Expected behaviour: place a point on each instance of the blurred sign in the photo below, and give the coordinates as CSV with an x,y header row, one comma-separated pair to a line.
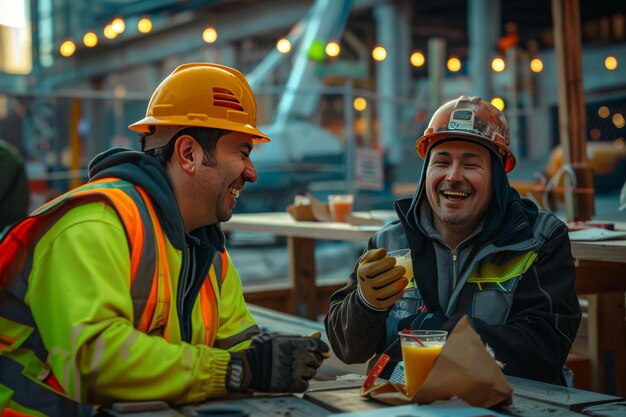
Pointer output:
x,y
369,171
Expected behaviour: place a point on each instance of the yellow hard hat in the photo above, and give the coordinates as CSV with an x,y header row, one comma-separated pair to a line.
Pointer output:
x,y
470,118
203,95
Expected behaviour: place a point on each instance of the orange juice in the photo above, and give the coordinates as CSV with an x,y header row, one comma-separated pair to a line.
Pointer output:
x,y
408,265
340,205
418,361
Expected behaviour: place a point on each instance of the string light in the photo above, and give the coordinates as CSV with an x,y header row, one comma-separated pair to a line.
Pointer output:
x,y
109,33
144,25
610,62
498,64
359,104
118,25
90,39
379,53
417,59
332,49
454,64
536,65
209,35
283,45
604,112
498,103
618,120
67,48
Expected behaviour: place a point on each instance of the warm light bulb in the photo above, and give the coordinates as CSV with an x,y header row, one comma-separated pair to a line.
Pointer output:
x,y
498,103
379,53
209,35
109,33
144,25
283,45
67,48
604,112
610,62
332,49
118,25
90,39
454,64
536,65
417,59
498,64
359,104
618,120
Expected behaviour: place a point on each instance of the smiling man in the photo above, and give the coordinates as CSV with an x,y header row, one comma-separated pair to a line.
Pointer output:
x,y
477,248
122,289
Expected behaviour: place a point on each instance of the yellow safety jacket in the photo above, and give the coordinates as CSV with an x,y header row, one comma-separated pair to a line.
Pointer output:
x,y
90,308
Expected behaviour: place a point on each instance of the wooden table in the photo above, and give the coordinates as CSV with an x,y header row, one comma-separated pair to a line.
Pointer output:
x,y
600,272
601,276
326,398
301,237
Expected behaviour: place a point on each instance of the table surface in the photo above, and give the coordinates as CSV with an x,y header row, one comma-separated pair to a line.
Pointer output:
x,y
327,398
282,224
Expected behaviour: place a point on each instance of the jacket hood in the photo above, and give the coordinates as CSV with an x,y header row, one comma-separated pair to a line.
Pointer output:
x,y
509,220
507,212
146,172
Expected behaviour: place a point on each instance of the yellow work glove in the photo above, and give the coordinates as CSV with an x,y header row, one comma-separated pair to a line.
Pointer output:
x,y
381,282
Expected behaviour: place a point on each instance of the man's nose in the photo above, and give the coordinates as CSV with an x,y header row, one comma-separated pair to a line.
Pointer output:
x,y
249,172
455,173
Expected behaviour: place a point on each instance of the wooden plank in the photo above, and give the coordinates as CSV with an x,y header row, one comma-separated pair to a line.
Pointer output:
x,y
564,397
610,250
302,276
607,342
593,277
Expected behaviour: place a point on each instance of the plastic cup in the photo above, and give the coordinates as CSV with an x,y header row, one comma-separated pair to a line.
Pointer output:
x,y
340,205
403,258
420,348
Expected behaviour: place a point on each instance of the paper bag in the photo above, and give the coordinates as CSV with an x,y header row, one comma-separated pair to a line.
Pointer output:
x,y
464,369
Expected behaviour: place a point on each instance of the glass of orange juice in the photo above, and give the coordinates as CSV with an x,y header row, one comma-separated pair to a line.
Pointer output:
x,y
420,348
403,258
340,205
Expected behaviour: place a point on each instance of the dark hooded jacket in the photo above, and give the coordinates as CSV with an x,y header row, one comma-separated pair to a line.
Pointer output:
x,y
513,278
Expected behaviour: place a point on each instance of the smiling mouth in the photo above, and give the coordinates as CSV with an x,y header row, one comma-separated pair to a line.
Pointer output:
x,y
234,192
455,195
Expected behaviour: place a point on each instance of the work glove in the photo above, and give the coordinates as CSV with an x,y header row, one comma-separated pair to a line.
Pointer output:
x,y
381,282
276,363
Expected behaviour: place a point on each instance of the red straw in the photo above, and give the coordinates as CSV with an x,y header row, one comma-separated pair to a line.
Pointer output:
x,y
416,338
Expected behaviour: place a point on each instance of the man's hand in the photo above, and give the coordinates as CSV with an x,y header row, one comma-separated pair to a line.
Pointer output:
x,y
381,282
277,363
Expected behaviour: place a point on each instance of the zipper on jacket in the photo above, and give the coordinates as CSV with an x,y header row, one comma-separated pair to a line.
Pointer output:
x,y
454,276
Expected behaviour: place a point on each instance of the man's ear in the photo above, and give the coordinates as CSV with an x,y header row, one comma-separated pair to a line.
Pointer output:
x,y
183,152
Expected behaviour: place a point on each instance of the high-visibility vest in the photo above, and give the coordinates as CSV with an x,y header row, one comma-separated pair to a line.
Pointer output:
x,y
21,345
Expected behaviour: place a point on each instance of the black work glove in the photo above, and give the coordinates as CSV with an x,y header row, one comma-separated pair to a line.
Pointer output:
x,y
276,363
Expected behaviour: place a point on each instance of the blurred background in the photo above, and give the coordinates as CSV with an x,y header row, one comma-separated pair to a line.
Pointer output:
x,y
344,89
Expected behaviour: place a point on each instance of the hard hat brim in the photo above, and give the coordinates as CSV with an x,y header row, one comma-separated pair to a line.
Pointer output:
x,y
426,142
143,126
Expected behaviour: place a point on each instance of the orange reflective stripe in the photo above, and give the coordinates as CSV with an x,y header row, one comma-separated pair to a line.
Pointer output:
x,y
7,412
208,305
149,311
129,213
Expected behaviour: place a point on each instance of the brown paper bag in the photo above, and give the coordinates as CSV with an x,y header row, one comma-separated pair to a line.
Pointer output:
x,y
463,369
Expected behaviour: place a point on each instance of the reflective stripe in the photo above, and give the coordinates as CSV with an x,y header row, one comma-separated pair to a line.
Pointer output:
x,y
17,248
148,287
231,341
489,275
34,395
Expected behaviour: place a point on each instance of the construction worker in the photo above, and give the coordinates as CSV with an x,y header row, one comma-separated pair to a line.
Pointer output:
x,y
477,249
122,290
